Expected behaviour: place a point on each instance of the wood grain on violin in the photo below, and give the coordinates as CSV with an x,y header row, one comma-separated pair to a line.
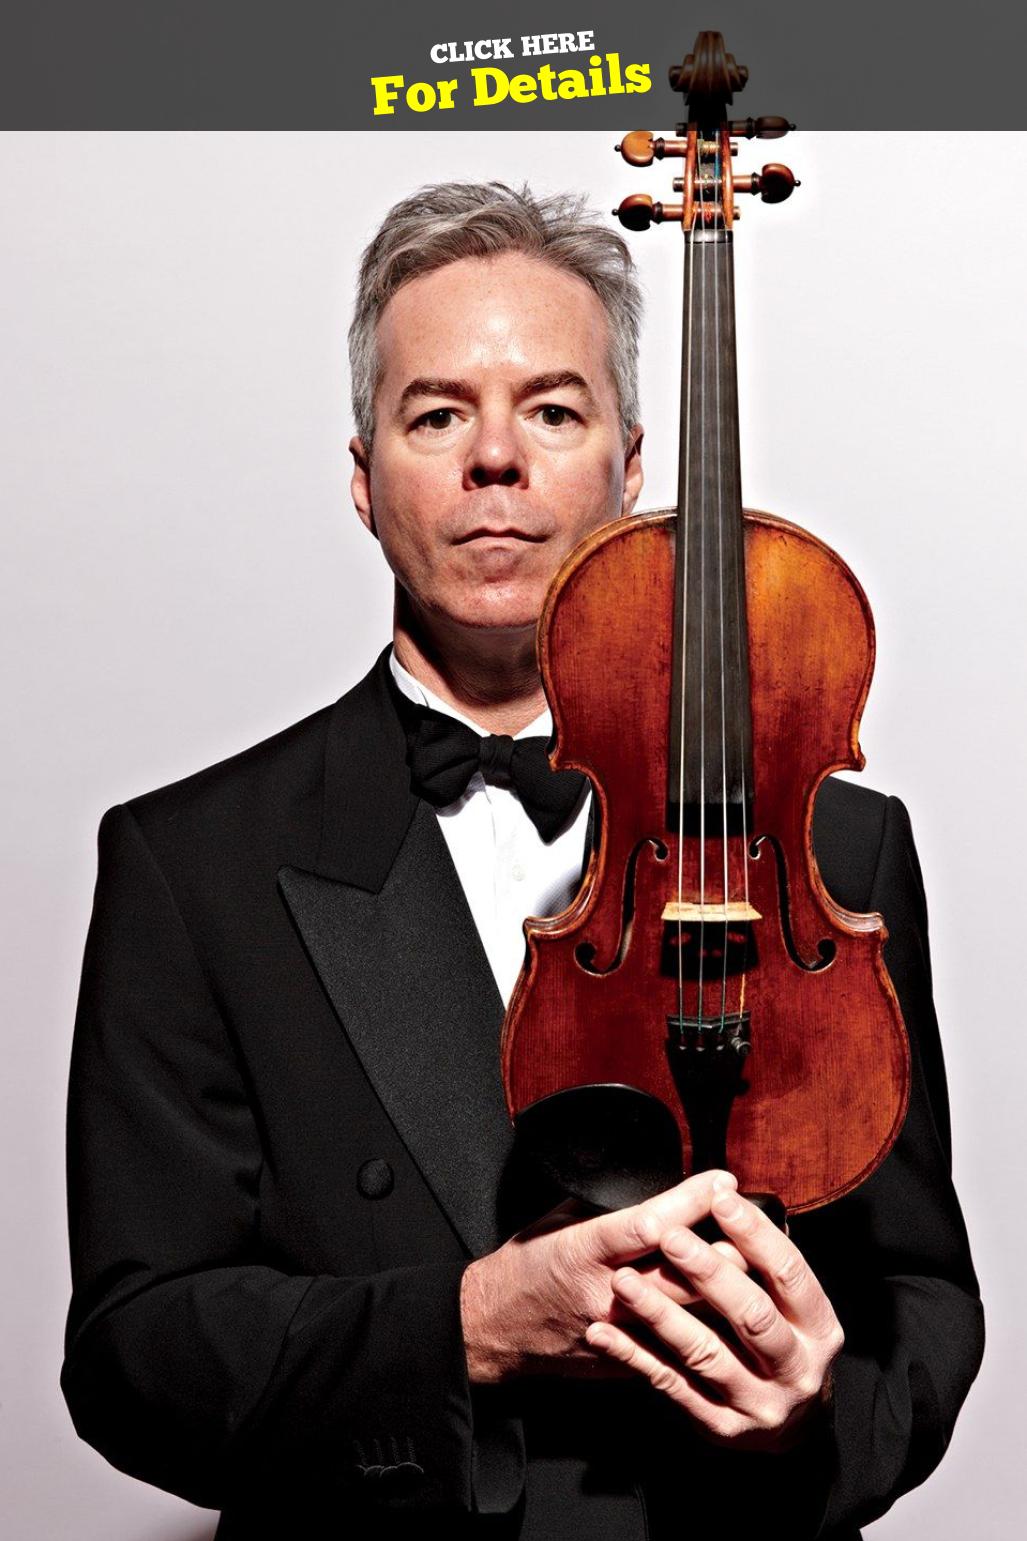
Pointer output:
x,y
825,1082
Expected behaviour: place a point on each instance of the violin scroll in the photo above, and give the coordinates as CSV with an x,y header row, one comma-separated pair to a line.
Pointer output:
x,y
709,74
708,78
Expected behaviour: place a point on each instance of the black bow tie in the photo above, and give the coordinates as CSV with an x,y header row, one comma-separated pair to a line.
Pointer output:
x,y
444,754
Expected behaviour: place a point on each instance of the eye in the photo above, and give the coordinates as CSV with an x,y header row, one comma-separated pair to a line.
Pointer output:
x,y
555,416
438,418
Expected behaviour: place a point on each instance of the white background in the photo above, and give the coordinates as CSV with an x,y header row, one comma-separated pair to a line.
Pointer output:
x,y
185,574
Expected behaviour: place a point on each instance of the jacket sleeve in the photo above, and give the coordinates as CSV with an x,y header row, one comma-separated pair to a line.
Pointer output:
x,y
894,1255
189,1362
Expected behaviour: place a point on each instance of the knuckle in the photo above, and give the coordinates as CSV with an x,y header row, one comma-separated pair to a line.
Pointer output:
x,y
768,1415
643,1228
791,1273
631,1353
835,1340
705,1360
662,1378
806,1386
758,1318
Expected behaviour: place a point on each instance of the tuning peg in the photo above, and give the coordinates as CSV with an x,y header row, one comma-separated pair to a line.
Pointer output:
x,y
639,148
761,128
638,212
774,183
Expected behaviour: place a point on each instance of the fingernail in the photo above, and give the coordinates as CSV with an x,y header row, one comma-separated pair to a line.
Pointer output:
x,y
597,1336
726,1205
681,1243
725,1182
627,1284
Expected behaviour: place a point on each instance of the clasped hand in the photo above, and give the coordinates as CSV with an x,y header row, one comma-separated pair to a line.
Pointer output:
x,y
637,1292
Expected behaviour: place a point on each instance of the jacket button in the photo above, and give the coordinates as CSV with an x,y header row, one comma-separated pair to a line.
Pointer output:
x,y
376,1179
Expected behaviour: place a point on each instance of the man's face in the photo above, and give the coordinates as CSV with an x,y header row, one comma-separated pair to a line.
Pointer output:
x,y
497,441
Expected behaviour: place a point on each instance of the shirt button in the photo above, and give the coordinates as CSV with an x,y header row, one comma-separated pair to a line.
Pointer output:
x,y
517,872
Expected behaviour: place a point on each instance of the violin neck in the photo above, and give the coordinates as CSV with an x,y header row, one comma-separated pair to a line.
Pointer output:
x,y
711,725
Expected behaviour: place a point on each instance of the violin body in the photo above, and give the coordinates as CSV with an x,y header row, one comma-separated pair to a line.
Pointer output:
x,y
821,1091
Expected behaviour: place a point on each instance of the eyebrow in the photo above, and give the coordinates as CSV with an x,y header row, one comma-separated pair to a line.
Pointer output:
x,y
461,390
559,379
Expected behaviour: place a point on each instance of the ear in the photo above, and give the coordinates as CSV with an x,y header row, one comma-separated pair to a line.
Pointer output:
x,y
360,484
633,473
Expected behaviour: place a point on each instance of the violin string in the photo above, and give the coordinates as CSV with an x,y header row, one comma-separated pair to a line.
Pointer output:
x,y
740,621
702,587
717,247
684,622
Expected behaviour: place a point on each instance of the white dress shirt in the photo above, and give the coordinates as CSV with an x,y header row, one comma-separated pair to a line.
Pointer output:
x,y
507,870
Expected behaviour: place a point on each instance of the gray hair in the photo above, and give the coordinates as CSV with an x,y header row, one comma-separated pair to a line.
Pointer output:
x,y
448,221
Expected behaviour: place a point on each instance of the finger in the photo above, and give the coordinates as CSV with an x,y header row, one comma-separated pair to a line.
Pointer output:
x,y
697,1346
626,1234
667,1279
750,1312
788,1278
659,1272
673,1204
626,1350
731,1254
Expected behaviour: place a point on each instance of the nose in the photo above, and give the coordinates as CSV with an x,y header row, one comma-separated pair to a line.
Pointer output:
x,y
496,454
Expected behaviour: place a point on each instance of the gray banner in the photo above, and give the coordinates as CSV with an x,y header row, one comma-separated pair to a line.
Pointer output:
x,y
312,64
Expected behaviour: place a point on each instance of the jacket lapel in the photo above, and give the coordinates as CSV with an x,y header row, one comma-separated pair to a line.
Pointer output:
x,y
386,926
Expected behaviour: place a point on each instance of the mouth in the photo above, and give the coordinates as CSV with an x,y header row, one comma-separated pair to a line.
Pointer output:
x,y
505,534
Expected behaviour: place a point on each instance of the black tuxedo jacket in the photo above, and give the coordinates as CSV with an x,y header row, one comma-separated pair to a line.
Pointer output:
x,y
287,1138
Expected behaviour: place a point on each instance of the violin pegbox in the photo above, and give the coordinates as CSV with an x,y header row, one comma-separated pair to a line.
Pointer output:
x,y
706,142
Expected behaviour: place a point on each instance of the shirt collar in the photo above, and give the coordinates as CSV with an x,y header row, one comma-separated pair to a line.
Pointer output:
x,y
542,727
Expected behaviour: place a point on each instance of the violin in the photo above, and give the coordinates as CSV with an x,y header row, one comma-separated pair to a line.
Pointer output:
x,y
704,1001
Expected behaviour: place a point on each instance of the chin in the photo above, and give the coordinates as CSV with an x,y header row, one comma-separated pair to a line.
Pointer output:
x,y
498,620
506,612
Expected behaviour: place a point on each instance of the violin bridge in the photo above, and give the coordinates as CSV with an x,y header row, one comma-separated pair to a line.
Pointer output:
x,y
734,910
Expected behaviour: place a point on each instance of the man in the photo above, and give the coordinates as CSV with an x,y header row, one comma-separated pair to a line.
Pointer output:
x,y
297,1296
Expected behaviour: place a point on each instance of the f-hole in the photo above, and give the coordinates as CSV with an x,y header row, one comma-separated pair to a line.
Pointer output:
x,y
585,952
826,948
